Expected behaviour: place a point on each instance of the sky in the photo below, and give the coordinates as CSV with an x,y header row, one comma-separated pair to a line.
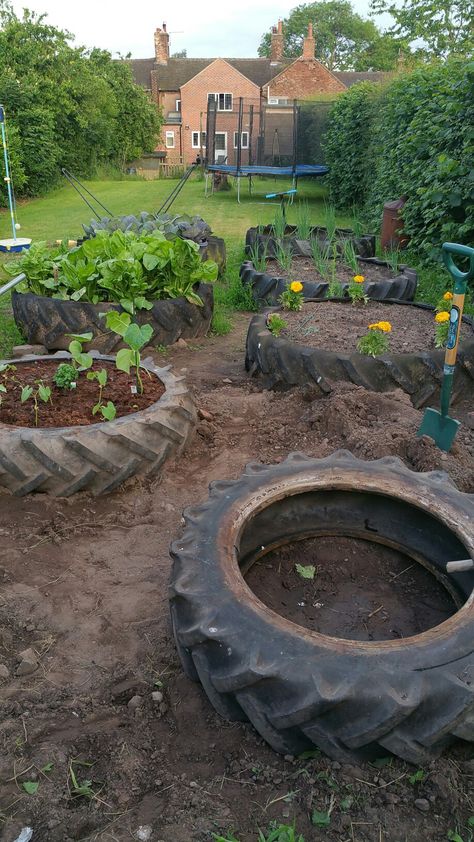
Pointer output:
x,y
205,28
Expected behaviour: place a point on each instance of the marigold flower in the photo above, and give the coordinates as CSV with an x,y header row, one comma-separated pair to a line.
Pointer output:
x,y
296,286
385,327
358,279
442,317
448,296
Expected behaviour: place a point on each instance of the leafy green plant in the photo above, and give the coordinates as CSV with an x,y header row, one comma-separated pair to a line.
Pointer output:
x,y
356,291
80,360
133,335
321,818
275,324
108,410
441,328
303,223
335,290
306,571
280,833
320,256
279,225
3,390
258,254
417,777
41,392
292,298
349,256
177,225
80,789
283,256
375,342
65,376
31,787
392,257
330,221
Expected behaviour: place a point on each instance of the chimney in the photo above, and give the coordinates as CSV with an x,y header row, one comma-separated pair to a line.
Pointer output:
x,y
162,45
309,44
277,43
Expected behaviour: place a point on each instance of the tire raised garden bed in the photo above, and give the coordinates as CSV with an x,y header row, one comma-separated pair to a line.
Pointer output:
x,y
47,321
100,456
268,286
354,699
263,241
282,363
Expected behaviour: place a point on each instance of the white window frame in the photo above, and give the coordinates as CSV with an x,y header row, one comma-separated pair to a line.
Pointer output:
x,y
177,107
222,94
169,136
243,145
202,139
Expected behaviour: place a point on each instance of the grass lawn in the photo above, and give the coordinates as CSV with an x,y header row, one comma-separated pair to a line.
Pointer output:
x,y
61,213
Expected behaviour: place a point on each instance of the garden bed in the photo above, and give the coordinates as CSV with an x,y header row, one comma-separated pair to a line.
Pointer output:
x,y
48,321
381,282
263,240
281,362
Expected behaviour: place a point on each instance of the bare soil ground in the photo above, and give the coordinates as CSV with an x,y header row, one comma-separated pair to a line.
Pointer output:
x,y
84,584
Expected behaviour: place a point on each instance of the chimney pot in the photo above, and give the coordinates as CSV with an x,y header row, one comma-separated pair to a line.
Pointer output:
x,y
277,43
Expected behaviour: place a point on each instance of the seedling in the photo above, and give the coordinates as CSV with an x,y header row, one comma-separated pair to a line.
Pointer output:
x,y
275,324
350,256
42,393
279,225
417,777
281,833
307,572
258,255
302,220
283,257
108,410
392,257
335,290
330,221
135,336
321,818
65,376
81,789
31,787
320,257
80,360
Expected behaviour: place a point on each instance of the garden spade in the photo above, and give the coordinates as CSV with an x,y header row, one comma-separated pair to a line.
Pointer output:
x,y
438,425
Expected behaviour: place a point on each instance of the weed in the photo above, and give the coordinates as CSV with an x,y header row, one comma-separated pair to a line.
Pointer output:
x,y
306,572
275,324
31,787
258,255
281,833
221,324
417,777
392,257
302,220
162,349
357,224
283,256
81,789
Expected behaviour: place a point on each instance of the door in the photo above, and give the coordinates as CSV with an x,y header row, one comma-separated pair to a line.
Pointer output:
x,y
220,149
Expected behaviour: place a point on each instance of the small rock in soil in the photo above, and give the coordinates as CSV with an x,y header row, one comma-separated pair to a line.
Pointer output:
x,y
181,343
28,662
227,380
144,832
135,702
205,415
157,696
422,804
4,672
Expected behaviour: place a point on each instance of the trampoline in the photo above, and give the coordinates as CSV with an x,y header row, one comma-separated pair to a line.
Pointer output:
x,y
257,140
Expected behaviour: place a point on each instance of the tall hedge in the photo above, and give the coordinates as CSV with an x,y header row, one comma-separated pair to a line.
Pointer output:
x,y
415,139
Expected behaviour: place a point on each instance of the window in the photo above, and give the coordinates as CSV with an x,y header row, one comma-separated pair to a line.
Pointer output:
x,y
244,144
178,105
170,140
278,100
224,101
195,140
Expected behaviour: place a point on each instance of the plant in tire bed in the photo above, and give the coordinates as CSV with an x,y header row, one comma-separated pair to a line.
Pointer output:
x,y
356,290
275,324
292,298
135,337
376,341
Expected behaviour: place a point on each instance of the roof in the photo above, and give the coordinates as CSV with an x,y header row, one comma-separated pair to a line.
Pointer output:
x,y
178,71
350,77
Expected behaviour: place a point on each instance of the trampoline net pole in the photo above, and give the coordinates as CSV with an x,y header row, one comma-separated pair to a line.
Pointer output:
x,y
250,134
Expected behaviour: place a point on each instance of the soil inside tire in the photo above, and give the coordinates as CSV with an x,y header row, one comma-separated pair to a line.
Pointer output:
x,y
337,326
73,407
303,269
360,590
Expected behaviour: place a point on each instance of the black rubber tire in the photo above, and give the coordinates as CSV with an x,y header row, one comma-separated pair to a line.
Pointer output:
x,y
353,699
215,250
98,458
266,242
47,321
281,363
267,288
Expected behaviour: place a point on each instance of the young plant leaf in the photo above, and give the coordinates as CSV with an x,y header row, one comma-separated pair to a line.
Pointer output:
x,y
102,377
321,818
80,337
117,322
26,393
307,572
108,411
44,392
3,388
137,336
30,787
48,767
417,777
142,304
124,359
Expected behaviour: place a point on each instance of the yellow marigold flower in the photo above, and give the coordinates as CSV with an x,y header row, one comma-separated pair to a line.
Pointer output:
x,y
385,327
448,296
358,279
442,317
296,286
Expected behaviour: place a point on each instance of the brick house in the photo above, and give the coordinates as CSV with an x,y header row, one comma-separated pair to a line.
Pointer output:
x,y
181,88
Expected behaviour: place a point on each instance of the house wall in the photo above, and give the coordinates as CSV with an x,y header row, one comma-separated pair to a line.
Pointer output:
x,y
218,77
304,78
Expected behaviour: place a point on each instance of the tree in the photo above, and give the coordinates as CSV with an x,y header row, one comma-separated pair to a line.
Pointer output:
x,y
443,26
180,54
344,39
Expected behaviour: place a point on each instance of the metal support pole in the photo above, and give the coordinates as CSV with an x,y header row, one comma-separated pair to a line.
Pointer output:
x,y
7,178
13,283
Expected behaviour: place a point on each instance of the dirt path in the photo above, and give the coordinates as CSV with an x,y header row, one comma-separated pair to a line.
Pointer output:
x,y
84,584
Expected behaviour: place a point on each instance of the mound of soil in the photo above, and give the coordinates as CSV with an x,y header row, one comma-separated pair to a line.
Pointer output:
x,y
303,269
359,590
84,584
338,326
73,407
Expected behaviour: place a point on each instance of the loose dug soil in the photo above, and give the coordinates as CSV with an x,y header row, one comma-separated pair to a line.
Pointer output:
x,y
73,407
303,269
338,326
360,590
84,583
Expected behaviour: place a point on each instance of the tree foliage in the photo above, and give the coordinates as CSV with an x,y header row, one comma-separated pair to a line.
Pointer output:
x,y
413,137
344,39
443,26
66,107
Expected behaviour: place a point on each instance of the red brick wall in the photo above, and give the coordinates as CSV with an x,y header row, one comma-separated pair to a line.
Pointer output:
x,y
304,78
218,77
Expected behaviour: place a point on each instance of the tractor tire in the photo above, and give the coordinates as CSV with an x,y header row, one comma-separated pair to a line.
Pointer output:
x,y
97,458
352,699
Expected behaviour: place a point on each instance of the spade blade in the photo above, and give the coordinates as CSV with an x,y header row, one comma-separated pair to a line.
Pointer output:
x,y
439,427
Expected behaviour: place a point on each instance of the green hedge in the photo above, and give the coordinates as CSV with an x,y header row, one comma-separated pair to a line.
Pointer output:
x,y
415,137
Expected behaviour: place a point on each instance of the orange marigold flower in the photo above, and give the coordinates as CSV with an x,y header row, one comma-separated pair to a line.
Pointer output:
x,y
442,317
296,286
358,279
385,327
448,296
